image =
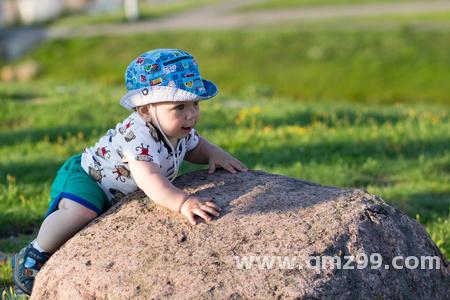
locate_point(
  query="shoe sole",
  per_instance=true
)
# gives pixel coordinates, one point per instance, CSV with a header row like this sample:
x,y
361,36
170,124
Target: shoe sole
x,y
15,279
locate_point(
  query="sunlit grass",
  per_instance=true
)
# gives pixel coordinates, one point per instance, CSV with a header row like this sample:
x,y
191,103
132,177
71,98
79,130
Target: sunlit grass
x,y
289,4
398,151
403,65
5,275
443,15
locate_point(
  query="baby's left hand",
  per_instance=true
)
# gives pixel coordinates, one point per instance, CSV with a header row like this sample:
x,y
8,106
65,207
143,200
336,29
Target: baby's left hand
x,y
220,158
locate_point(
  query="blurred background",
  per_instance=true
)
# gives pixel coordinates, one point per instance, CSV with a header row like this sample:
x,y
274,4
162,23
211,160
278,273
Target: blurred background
x,y
349,93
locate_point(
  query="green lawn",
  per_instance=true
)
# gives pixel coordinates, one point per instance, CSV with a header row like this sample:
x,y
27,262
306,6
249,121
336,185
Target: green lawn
x,y
399,151
350,109
443,15
288,4
401,65
438,19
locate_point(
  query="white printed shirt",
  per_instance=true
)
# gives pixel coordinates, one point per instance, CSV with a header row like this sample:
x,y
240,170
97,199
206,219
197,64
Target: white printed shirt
x,y
132,139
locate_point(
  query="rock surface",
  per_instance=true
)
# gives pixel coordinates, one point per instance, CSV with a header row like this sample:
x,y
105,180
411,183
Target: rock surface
x,y
138,250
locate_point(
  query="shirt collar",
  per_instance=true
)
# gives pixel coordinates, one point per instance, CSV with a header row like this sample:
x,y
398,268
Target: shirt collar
x,y
159,133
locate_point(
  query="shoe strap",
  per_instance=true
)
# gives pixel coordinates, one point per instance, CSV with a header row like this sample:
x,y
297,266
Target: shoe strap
x,y
40,257
29,273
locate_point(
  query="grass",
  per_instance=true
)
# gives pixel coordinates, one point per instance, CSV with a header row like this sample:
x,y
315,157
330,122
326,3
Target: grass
x,y
437,18
399,151
5,277
349,109
8,294
402,65
407,17
288,4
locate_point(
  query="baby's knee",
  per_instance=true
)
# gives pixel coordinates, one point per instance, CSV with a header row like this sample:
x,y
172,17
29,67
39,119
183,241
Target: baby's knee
x,y
76,210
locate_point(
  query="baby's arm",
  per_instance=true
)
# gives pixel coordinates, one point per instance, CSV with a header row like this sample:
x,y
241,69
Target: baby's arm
x,y
163,192
208,153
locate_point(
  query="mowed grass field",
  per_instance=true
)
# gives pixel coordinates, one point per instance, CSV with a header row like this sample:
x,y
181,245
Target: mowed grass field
x,y
364,109
289,4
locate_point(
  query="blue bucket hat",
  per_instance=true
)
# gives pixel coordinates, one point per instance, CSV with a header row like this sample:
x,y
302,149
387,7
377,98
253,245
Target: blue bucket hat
x,y
163,75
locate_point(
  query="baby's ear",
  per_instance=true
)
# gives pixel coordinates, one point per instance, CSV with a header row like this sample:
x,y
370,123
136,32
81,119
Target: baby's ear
x,y
144,111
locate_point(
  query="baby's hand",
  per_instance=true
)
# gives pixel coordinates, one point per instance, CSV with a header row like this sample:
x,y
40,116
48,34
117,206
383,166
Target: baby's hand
x,y
199,206
220,158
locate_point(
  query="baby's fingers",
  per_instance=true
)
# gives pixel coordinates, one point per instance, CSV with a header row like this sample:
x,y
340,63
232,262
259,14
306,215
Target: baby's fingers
x,y
210,210
191,218
229,168
212,167
213,205
202,214
239,166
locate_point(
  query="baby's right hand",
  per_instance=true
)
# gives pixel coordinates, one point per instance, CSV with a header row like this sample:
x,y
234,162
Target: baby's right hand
x,y
199,206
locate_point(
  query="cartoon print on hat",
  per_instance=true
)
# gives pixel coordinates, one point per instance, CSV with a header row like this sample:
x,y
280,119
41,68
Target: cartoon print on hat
x,y
163,75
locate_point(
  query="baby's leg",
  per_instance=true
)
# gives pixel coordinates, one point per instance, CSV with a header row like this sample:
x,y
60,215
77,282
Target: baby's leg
x,y
56,229
62,224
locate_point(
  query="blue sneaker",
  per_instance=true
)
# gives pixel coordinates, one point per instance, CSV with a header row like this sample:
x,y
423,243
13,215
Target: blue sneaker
x,y
26,264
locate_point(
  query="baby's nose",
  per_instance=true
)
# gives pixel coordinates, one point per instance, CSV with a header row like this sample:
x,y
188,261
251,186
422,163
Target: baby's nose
x,y
192,114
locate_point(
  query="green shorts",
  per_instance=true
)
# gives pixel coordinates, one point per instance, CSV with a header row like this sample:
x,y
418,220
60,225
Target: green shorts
x,y
72,182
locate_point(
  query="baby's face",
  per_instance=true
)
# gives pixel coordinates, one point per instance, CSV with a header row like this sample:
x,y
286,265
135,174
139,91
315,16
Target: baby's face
x,y
177,119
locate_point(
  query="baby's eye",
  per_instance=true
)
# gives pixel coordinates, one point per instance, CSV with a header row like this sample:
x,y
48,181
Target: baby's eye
x,y
179,107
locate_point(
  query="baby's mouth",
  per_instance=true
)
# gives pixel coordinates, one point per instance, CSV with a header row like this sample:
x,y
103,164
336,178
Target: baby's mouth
x,y
186,128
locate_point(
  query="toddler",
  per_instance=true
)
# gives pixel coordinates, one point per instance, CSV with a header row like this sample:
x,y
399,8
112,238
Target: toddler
x,y
144,151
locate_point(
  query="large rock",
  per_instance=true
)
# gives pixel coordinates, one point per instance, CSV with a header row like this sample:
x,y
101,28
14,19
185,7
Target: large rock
x,y
138,250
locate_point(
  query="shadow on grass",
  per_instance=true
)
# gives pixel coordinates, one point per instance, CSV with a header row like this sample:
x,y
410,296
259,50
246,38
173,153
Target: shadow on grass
x,y
334,118
337,117
21,96
19,224
31,172
429,205
326,152
12,137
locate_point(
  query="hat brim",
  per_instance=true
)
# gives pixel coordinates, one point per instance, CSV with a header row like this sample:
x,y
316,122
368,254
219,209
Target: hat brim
x,y
157,94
